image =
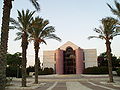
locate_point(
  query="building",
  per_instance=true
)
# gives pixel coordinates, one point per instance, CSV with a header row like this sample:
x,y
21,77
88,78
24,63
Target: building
x,y
69,59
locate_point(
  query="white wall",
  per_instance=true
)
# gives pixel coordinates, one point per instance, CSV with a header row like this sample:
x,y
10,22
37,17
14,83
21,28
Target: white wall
x,y
48,59
90,57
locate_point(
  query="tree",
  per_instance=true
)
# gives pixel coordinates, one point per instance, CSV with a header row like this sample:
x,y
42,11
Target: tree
x,y
30,69
13,62
4,38
39,63
39,33
107,32
14,59
102,60
23,25
117,10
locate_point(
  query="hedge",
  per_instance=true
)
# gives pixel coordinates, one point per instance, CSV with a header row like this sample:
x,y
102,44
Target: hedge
x,y
96,70
46,71
118,72
12,72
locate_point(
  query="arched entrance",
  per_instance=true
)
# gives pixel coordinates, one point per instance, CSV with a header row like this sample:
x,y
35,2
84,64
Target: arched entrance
x,y
69,61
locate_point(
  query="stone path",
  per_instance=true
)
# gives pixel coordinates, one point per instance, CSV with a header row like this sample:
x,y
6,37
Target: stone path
x,y
70,83
76,86
81,85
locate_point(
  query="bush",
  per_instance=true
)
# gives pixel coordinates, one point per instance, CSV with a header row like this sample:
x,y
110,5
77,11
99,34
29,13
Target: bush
x,y
96,70
118,72
12,72
30,69
46,71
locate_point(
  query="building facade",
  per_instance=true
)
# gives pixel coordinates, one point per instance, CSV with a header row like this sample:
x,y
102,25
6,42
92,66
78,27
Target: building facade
x,y
70,59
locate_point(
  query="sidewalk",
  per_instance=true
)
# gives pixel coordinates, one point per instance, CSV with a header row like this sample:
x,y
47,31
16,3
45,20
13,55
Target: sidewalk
x,y
16,82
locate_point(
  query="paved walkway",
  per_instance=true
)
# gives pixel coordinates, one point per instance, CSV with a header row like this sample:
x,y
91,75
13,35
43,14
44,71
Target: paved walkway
x,y
68,82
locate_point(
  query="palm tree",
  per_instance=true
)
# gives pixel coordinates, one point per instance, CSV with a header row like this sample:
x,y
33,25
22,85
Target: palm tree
x,y
117,10
23,24
39,33
106,32
4,38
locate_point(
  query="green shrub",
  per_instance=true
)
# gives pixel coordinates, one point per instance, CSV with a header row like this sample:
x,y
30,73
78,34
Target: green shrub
x,y
30,69
118,72
96,70
46,71
13,72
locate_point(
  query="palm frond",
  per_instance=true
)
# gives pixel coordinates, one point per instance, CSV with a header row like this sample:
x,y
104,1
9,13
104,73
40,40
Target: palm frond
x,y
25,18
53,36
113,10
45,23
100,37
47,30
19,36
115,33
108,30
98,31
14,22
117,29
31,39
19,14
102,29
90,37
12,27
109,25
43,41
40,31
117,10
35,4
117,4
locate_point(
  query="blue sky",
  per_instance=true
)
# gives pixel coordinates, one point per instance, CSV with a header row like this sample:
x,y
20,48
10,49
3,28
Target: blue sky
x,y
74,20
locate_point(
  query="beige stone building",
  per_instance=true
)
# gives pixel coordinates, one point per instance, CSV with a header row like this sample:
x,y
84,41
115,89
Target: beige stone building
x,y
69,59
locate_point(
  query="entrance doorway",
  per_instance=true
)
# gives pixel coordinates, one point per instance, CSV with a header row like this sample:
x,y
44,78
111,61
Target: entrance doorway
x,y
69,61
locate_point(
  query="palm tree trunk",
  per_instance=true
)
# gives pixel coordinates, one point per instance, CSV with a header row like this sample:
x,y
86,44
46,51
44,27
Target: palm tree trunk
x,y
4,42
108,51
24,59
36,47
